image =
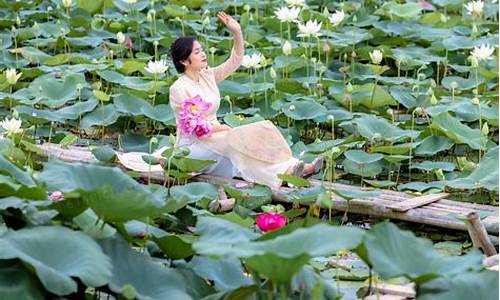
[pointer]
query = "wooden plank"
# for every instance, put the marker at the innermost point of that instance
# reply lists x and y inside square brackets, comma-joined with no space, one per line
[478,234]
[405,291]
[376,207]
[418,201]
[384,297]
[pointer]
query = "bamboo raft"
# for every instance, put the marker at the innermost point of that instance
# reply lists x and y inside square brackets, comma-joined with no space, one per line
[432,209]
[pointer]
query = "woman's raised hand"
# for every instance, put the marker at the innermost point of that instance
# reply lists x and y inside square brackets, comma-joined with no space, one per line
[230,23]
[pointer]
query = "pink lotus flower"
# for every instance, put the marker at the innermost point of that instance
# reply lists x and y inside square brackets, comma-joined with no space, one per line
[271,221]
[426,5]
[128,42]
[56,196]
[191,118]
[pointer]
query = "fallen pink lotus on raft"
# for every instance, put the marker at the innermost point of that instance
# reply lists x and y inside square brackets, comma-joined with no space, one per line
[271,221]
[56,196]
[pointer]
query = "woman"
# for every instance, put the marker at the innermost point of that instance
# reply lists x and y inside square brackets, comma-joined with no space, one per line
[257,152]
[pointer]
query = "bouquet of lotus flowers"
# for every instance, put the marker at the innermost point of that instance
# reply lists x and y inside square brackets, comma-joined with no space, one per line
[192,120]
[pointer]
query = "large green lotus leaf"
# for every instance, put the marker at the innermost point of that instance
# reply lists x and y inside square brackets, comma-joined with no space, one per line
[457,131]
[404,96]
[90,6]
[55,93]
[138,274]
[90,41]
[398,149]
[112,194]
[349,194]
[421,187]
[366,170]
[161,112]
[432,145]
[135,83]
[415,56]
[181,195]
[465,286]
[458,42]
[349,35]
[304,110]
[226,273]
[387,249]
[34,55]
[434,165]
[484,176]
[71,112]
[56,254]
[19,175]
[465,110]
[361,157]
[17,282]
[233,88]
[250,197]
[91,225]
[306,195]
[176,246]
[375,127]
[130,104]
[407,10]
[236,241]
[290,62]
[362,95]
[129,7]
[461,83]
[278,269]
[103,116]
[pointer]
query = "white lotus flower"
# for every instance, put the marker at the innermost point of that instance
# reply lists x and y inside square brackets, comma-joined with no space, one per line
[337,17]
[311,28]
[287,48]
[483,52]
[285,14]
[296,2]
[120,37]
[475,8]
[252,61]
[12,126]
[67,3]
[376,56]
[130,1]
[157,67]
[12,76]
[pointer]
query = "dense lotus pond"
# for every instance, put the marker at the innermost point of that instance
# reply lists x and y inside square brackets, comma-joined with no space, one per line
[399,95]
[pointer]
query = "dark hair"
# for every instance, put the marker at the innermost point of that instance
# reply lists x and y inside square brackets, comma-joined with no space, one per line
[180,49]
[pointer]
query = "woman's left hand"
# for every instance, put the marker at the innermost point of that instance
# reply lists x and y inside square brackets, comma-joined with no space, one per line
[230,23]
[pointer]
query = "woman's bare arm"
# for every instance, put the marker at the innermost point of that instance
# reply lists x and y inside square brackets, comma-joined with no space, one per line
[228,67]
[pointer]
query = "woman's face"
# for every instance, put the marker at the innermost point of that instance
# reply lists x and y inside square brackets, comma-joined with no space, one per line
[197,60]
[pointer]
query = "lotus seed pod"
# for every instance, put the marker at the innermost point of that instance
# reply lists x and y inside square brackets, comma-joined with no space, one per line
[475,91]
[155,43]
[421,76]
[475,101]
[15,114]
[305,85]
[291,107]
[417,111]
[331,118]
[227,98]
[287,48]
[390,112]
[154,140]
[326,47]
[335,150]
[443,18]
[454,84]
[212,50]
[313,60]
[246,7]
[349,87]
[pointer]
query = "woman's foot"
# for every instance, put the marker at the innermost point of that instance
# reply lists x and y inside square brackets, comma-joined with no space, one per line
[313,167]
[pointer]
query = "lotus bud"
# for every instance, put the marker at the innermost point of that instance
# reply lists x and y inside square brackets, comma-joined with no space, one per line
[12,76]
[120,37]
[212,50]
[305,85]
[206,21]
[149,17]
[287,48]
[475,91]
[291,107]
[313,60]
[325,11]
[485,129]
[326,47]
[272,73]
[390,112]
[439,174]
[15,114]
[349,88]
[474,29]
[353,54]
[246,7]
[454,84]
[434,100]
[67,3]
[155,43]
[330,118]
[376,56]
[443,18]
[154,141]
[18,21]
[475,101]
